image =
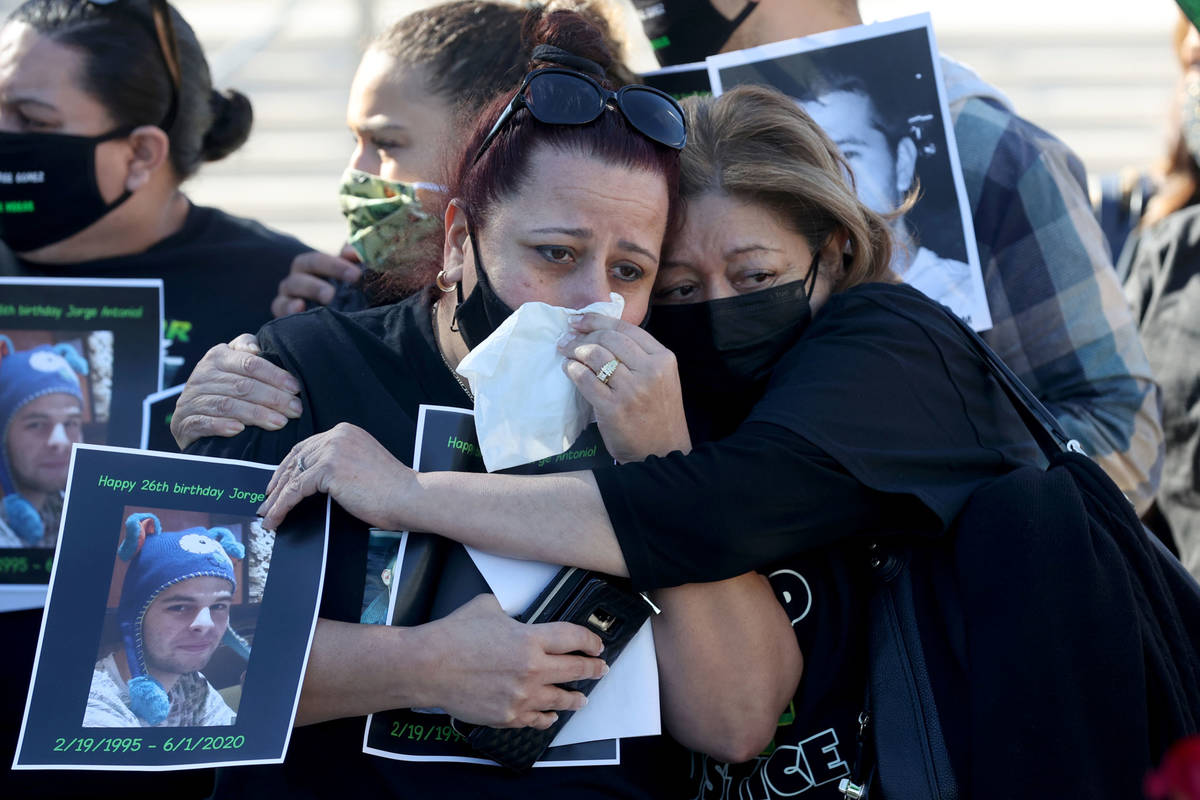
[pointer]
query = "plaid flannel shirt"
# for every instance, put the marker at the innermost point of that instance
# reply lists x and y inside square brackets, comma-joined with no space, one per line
[1060,318]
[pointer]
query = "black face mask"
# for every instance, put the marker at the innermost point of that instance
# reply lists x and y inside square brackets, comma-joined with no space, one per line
[48,188]
[683,31]
[734,343]
[480,314]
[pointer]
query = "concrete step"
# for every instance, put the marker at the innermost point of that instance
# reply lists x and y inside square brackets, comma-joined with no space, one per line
[296,108]
[313,150]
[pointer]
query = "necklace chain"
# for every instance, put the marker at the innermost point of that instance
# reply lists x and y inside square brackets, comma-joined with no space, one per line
[437,309]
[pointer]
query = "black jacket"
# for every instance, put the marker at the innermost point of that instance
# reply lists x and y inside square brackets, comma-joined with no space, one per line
[1080,642]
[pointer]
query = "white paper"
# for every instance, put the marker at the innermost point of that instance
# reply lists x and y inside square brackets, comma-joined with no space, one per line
[526,408]
[625,702]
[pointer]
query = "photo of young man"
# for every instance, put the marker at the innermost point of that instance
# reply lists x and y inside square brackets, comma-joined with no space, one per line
[174,613]
[41,416]
[882,150]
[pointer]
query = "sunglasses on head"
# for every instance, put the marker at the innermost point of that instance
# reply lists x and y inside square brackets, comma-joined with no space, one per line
[557,96]
[168,48]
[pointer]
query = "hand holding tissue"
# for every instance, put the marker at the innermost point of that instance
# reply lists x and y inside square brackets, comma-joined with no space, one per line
[526,408]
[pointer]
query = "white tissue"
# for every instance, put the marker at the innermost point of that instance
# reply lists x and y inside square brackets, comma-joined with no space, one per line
[526,408]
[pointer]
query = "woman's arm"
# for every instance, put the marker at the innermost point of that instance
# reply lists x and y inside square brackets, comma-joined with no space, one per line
[478,664]
[556,518]
[759,496]
[728,665]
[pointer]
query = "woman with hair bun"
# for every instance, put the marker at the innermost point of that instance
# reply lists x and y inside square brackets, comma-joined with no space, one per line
[112,106]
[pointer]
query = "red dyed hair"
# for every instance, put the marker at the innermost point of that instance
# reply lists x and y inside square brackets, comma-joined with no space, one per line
[504,166]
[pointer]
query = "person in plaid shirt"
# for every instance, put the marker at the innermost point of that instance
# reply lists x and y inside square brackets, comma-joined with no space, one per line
[1060,318]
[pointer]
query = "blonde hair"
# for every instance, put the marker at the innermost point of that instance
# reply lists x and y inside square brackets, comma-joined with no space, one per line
[758,145]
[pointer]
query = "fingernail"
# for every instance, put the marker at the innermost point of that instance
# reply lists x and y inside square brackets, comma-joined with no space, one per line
[232,428]
[276,421]
[261,508]
[294,407]
[584,702]
[603,670]
[564,339]
[575,319]
[291,384]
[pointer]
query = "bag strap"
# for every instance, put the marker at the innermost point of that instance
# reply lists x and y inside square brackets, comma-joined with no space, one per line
[1046,430]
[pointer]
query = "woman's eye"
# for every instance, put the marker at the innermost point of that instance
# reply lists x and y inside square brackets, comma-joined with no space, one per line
[755,280]
[628,272]
[27,122]
[386,144]
[556,253]
[676,294]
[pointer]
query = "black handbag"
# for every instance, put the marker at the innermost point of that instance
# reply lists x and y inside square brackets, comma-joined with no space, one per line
[903,749]
[604,604]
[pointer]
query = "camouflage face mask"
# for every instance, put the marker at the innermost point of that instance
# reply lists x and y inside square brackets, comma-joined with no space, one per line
[387,220]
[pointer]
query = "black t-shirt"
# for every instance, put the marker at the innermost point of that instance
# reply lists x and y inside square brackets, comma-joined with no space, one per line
[219,273]
[815,743]
[880,421]
[374,369]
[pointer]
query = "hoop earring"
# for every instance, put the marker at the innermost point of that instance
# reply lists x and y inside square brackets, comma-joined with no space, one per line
[440,280]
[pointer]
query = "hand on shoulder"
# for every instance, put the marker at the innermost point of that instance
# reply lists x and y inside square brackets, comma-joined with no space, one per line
[232,387]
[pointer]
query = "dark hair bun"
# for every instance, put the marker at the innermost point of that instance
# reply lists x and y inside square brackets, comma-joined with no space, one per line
[231,121]
[569,31]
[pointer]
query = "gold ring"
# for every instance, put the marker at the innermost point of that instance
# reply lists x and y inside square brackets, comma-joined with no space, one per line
[607,371]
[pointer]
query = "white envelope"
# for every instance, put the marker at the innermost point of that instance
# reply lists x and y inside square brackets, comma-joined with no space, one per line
[526,408]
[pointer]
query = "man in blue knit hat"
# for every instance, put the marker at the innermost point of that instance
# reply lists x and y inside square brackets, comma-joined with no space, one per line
[173,615]
[41,416]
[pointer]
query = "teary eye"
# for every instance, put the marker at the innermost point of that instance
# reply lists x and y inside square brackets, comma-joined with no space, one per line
[559,254]
[628,272]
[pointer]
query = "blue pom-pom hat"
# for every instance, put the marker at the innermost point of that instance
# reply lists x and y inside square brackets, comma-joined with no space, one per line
[157,560]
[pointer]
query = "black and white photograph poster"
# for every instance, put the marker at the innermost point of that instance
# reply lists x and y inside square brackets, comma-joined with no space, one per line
[429,577]
[177,629]
[877,91]
[76,359]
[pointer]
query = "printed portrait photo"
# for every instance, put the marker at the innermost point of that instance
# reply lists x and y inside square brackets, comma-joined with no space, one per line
[182,609]
[55,391]
[878,100]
